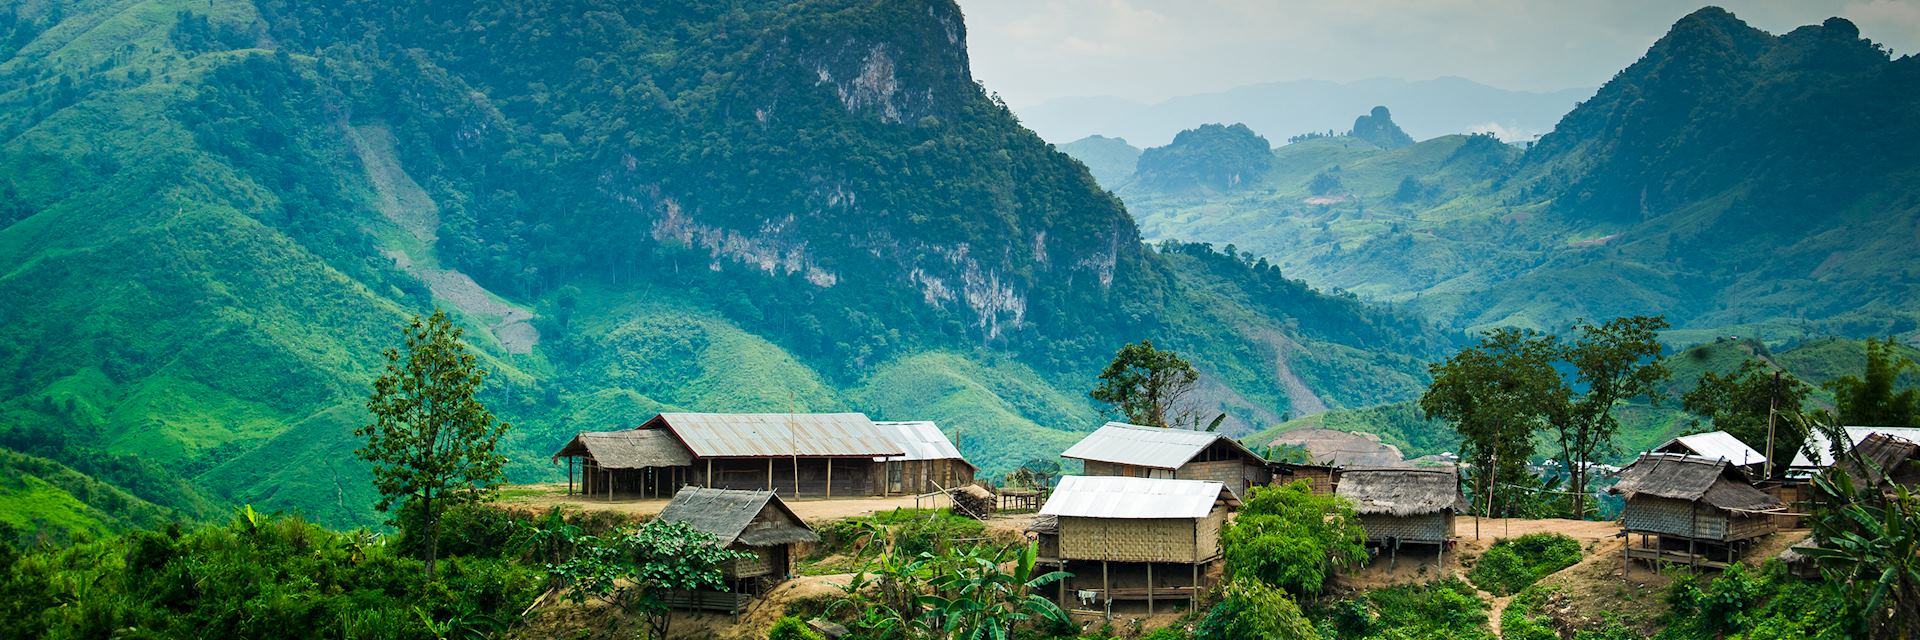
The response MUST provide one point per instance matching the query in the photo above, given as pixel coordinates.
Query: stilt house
(794, 454)
(1132, 538)
(1404, 505)
(1719, 445)
(1120, 449)
(1690, 510)
(755, 522)
(931, 462)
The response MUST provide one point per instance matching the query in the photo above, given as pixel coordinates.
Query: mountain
(1110, 160)
(1731, 179)
(1378, 128)
(216, 214)
(1212, 158)
(1436, 107)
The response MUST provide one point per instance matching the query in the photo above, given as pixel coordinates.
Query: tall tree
(431, 442)
(1870, 399)
(1744, 402)
(1497, 394)
(1149, 386)
(1612, 362)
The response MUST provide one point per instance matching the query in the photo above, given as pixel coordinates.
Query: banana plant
(984, 592)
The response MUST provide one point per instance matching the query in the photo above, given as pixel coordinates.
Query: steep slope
(1729, 179)
(218, 213)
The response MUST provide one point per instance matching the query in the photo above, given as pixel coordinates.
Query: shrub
(1251, 609)
(791, 628)
(1512, 565)
(1290, 538)
(1443, 609)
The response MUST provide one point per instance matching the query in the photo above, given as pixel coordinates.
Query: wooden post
(1193, 595)
(829, 477)
(609, 477)
(769, 474)
(1149, 588)
(1106, 591)
(569, 475)
(709, 473)
(796, 476)
(1063, 586)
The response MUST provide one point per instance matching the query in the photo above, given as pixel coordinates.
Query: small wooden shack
(795, 454)
(755, 522)
(931, 462)
(1719, 445)
(1132, 539)
(1883, 460)
(1401, 506)
(1690, 510)
(1323, 478)
(1822, 450)
(1120, 449)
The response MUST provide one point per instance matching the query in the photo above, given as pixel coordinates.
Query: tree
(1870, 399)
(984, 592)
(1288, 537)
(1497, 394)
(431, 442)
(1615, 362)
(1743, 403)
(1148, 386)
(634, 568)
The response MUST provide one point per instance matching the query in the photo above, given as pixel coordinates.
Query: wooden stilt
(769, 474)
(1193, 595)
(1106, 591)
(829, 477)
(1149, 588)
(569, 476)
(796, 476)
(709, 473)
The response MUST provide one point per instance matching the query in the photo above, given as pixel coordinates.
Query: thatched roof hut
(627, 449)
(754, 521)
(1889, 460)
(1682, 496)
(1412, 505)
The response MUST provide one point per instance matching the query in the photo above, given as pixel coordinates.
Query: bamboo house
(1120, 449)
(1133, 539)
(794, 454)
(1691, 510)
(931, 462)
(755, 522)
(1403, 506)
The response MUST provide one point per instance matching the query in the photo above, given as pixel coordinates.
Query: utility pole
(1773, 409)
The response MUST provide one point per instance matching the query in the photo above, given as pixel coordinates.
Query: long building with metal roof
(792, 454)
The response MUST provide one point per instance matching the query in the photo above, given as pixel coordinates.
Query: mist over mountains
(1279, 110)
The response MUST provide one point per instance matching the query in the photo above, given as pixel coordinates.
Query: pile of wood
(974, 501)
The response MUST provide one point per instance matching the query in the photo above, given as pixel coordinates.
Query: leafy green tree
(1742, 403)
(634, 568)
(1498, 394)
(431, 442)
(1287, 537)
(1148, 386)
(1870, 399)
(1613, 362)
(1250, 609)
(985, 592)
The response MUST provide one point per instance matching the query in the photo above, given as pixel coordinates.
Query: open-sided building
(794, 454)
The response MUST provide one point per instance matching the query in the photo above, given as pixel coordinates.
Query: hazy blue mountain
(1210, 158)
(1111, 160)
(1378, 128)
(1279, 110)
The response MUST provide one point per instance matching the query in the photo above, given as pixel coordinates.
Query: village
(1138, 530)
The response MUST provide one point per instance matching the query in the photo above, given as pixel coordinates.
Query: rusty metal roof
(628, 449)
(760, 435)
(1121, 497)
(921, 440)
(1154, 447)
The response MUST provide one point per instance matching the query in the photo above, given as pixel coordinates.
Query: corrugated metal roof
(1153, 447)
(758, 435)
(628, 449)
(1716, 445)
(1118, 497)
(1822, 448)
(921, 440)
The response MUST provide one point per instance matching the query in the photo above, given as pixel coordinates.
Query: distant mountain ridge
(1730, 178)
(1430, 108)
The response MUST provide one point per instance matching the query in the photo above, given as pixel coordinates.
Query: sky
(1031, 51)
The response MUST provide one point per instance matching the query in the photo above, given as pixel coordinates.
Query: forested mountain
(1110, 160)
(1280, 110)
(216, 214)
(1730, 179)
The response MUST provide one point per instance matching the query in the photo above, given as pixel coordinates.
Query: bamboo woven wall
(1684, 519)
(1431, 528)
(1236, 474)
(1131, 540)
(759, 564)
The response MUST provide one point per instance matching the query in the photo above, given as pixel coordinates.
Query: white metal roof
(1152, 447)
(1119, 497)
(1718, 445)
(753, 435)
(921, 440)
(1822, 448)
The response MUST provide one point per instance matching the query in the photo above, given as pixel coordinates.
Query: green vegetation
(1498, 394)
(1251, 609)
(635, 568)
(1289, 538)
(1149, 387)
(1210, 157)
(1512, 565)
(1110, 160)
(1440, 609)
(1747, 404)
(1870, 398)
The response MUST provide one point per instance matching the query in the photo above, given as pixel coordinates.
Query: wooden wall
(1236, 474)
(852, 477)
(926, 476)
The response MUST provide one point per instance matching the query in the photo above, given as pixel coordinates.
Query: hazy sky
(1031, 51)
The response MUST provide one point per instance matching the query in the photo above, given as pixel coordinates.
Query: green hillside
(1110, 160)
(216, 214)
(1736, 181)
